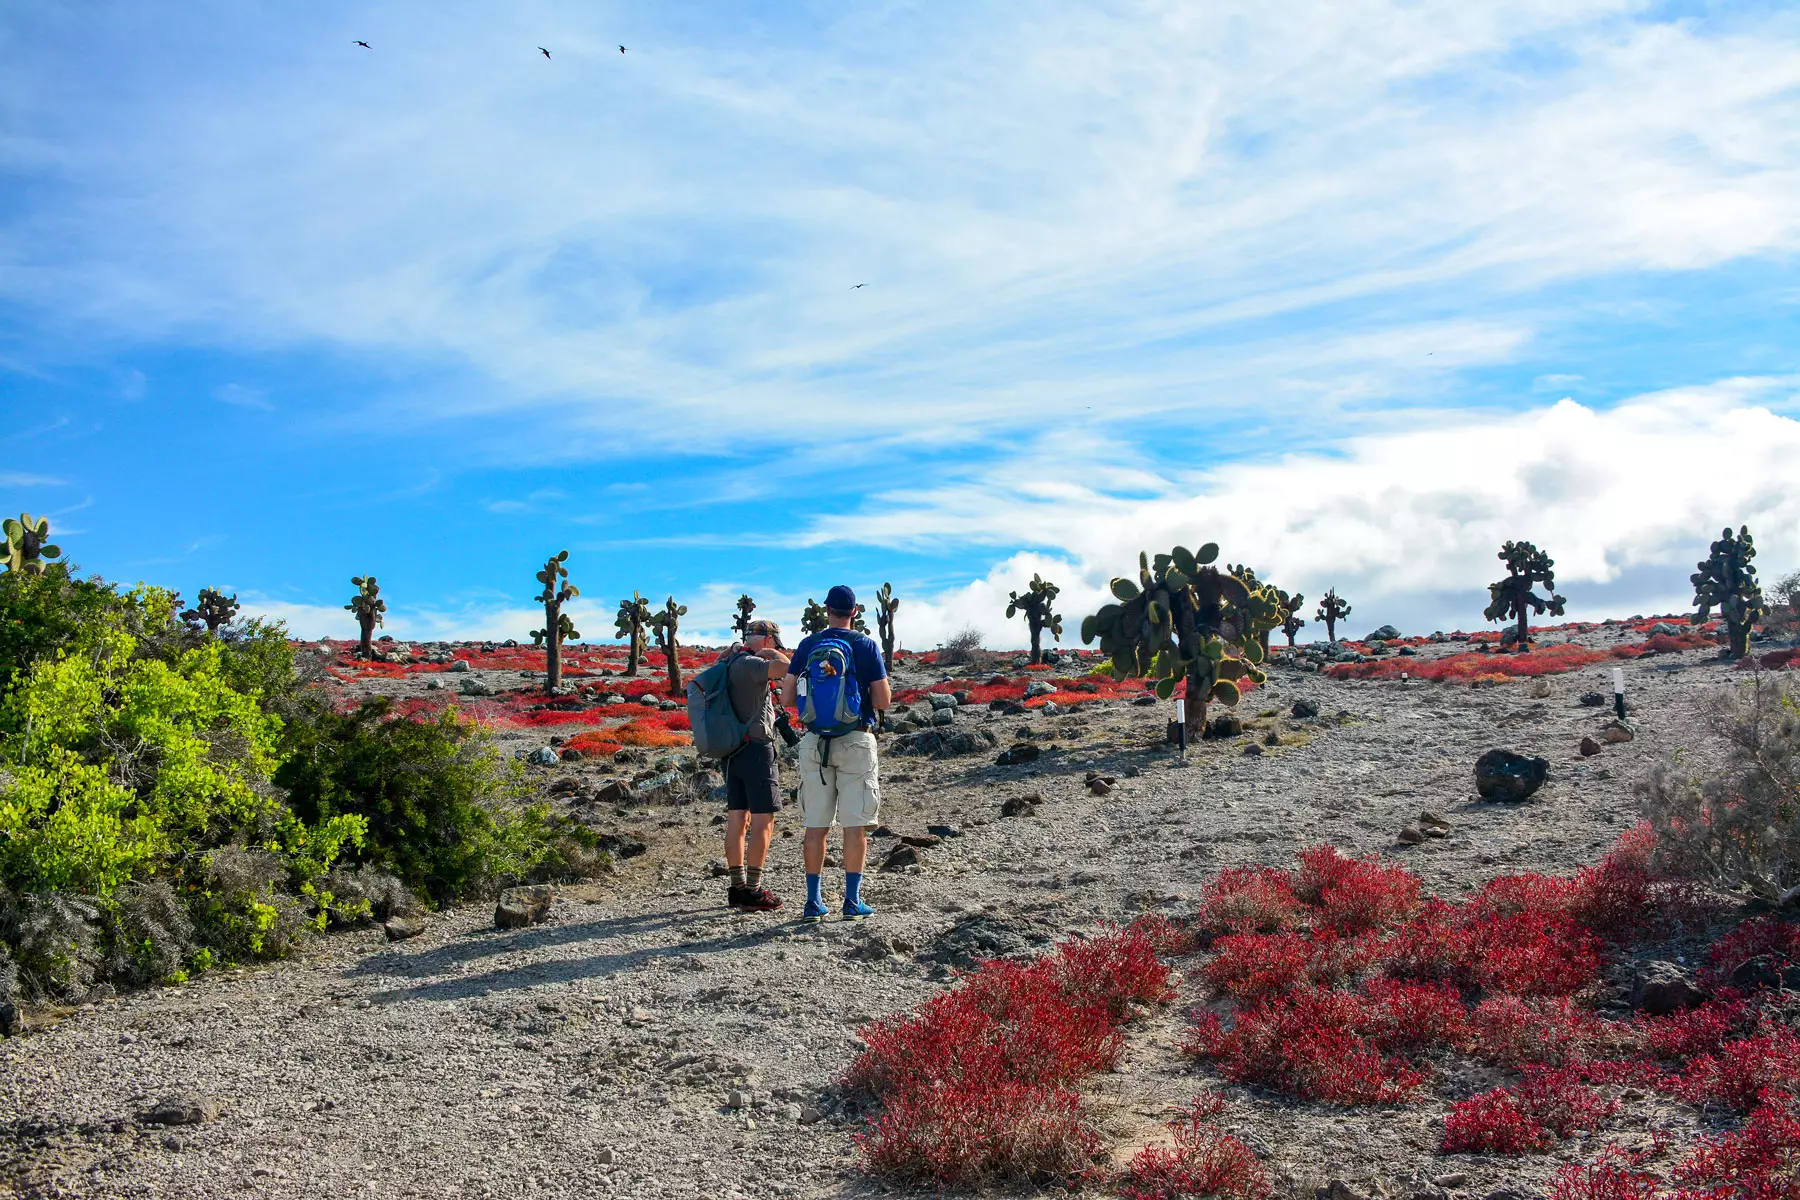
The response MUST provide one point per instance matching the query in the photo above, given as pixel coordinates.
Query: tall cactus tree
(665, 624)
(1727, 581)
(1332, 609)
(1035, 603)
(214, 610)
(1291, 620)
(813, 619)
(1184, 620)
(558, 628)
(885, 607)
(26, 547)
(368, 606)
(741, 622)
(1512, 598)
(631, 622)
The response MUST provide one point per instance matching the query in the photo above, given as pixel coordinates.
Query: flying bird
(364, 44)
(621, 49)
(544, 52)
(853, 288)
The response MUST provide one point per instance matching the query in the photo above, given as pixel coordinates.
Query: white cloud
(1404, 524)
(1053, 211)
(239, 396)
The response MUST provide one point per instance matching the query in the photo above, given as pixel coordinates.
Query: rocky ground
(648, 1042)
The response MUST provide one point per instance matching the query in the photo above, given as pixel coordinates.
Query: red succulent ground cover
(1203, 1161)
(1334, 982)
(1548, 660)
(979, 1083)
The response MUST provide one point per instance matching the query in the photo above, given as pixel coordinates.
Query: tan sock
(753, 877)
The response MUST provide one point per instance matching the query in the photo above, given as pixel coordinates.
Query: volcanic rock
(1662, 988)
(1504, 775)
(521, 906)
(1017, 754)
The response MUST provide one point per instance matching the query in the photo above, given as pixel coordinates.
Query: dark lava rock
(1592, 699)
(184, 1108)
(12, 1021)
(902, 855)
(922, 841)
(520, 906)
(1504, 775)
(1589, 747)
(400, 927)
(983, 936)
(1020, 806)
(1224, 725)
(1146, 701)
(1662, 988)
(621, 846)
(1022, 752)
(944, 831)
(1304, 709)
(945, 743)
(1765, 971)
(1386, 633)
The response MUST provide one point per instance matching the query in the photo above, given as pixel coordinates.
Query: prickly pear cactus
(558, 628)
(1512, 598)
(1036, 604)
(885, 608)
(368, 606)
(632, 620)
(813, 619)
(1332, 609)
(213, 610)
(665, 624)
(1185, 620)
(741, 622)
(1726, 580)
(1291, 620)
(27, 545)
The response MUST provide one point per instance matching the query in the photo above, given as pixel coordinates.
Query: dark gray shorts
(753, 779)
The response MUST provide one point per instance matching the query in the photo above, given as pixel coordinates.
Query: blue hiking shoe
(857, 911)
(814, 911)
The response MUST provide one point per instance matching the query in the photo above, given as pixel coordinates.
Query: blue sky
(1356, 289)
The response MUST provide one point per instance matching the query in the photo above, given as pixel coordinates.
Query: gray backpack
(718, 730)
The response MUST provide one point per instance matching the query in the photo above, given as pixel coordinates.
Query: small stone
(737, 1099)
(1019, 806)
(521, 906)
(790, 1112)
(1304, 708)
(944, 716)
(1538, 689)
(1337, 1189)
(543, 756)
(12, 1021)
(604, 1156)
(460, 665)
(400, 928)
(1430, 817)
(1018, 753)
(811, 1114)
(1386, 633)
(923, 842)
(940, 702)
(1454, 1179)
(183, 1108)
(1039, 687)
(1099, 787)
(1253, 749)
(1224, 725)
(1410, 835)
(173, 1143)
(1617, 731)
(901, 856)
(1435, 831)
(1589, 747)
(1662, 988)
(1592, 699)
(944, 831)
(475, 687)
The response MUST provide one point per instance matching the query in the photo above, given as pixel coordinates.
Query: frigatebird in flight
(544, 52)
(364, 44)
(621, 49)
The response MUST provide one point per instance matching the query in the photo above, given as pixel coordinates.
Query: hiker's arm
(881, 695)
(790, 690)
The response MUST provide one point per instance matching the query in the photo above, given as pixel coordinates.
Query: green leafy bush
(144, 829)
(440, 809)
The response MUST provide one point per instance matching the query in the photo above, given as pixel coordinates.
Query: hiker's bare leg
(735, 821)
(856, 849)
(814, 850)
(762, 832)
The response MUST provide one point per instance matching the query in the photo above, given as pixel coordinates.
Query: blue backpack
(833, 701)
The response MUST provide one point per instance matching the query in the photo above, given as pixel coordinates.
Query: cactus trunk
(1037, 643)
(631, 656)
(552, 646)
(671, 651)
(365, 647)
(1330, 628)
(1738, 635)
(1199, 687)
(1524, 642)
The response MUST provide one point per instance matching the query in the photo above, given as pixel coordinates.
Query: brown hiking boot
(760, 900)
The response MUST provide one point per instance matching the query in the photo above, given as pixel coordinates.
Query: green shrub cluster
(173, 798)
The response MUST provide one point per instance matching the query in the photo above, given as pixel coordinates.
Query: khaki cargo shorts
(847, 789)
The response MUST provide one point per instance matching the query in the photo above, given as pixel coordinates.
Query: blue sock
(852, 888)
(814, 896)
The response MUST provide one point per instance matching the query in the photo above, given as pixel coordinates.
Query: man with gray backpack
(841, 684)
(733, 717)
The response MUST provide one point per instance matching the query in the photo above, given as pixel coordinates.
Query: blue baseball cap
(840, 599)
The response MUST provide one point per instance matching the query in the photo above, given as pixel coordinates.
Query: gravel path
(646, 1042)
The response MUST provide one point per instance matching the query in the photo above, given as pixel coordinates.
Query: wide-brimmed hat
(768, 629)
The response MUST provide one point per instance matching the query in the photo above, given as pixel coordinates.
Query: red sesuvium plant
(1203, 1161)
(978, 1084)
(1334, 983)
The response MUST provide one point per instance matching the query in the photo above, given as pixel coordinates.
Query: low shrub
(976, 1084)
(1737, 1075)
(1204, 1161)
(1249, 900)
(1760, 1161)
(1547, 1105)
(1305, 1043)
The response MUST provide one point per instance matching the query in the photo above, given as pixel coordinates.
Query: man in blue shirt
(840, 777)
